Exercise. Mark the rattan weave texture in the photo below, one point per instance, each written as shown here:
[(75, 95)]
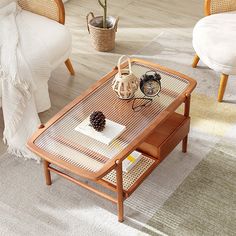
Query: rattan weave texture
[(62, 141), (47, 8), (218, 6), (133, 175)]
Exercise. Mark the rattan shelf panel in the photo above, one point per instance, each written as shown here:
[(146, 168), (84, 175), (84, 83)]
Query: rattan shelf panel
[(130, 178)]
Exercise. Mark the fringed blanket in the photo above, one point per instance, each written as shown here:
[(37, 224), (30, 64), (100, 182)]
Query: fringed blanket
[(20, 70)]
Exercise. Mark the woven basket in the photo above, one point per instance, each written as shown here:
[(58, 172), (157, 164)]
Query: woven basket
[(103, 40)]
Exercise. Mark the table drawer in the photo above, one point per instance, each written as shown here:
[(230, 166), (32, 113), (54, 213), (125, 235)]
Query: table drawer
[(165, 137)]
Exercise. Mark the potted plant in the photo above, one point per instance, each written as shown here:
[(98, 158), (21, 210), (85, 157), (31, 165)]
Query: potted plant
[(102, 29)]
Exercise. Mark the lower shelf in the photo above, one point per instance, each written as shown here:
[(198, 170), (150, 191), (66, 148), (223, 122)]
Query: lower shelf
[(155, 148), (135, 176)]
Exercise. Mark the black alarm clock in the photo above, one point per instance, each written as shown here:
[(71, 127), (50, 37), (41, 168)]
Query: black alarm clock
[(150, 83)]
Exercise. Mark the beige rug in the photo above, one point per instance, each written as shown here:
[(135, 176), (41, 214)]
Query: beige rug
[(205, 203)]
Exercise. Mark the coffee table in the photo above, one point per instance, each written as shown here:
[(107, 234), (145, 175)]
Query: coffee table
[(155, 131)]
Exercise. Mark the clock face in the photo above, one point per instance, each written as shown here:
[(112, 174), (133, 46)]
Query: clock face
[(151, 88)]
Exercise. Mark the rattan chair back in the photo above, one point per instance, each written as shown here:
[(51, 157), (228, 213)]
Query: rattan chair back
[(218, 6), (53, 9)]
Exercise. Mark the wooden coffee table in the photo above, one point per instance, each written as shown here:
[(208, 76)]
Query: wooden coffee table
[(154, 130)]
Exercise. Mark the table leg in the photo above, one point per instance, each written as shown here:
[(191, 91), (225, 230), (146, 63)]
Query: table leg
[(47, 172), (119, 183), (187, 105), (185, 144), (186, 113)]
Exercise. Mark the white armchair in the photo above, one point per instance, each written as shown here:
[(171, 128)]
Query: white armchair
[(214, 40), (46, 19), (57, 38)]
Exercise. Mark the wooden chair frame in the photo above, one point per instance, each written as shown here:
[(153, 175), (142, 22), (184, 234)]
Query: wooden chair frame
[(214, 7), (52, 9)]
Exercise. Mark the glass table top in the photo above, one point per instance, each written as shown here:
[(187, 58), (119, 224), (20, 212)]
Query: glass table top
[(63, 141)]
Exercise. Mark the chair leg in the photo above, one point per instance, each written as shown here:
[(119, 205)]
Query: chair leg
[(69, 66), (223, 83), (195, 61)]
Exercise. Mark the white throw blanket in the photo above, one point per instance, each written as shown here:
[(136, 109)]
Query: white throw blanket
[(19, 72)]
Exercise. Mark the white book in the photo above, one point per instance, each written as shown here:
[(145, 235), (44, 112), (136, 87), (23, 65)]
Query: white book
[(111, 131), (131, 161)]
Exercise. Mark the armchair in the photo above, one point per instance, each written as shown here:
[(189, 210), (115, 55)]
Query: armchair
[(214, 39), (52, 9), (45, 19)]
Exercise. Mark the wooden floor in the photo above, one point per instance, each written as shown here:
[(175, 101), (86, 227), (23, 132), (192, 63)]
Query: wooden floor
[(140, 23)]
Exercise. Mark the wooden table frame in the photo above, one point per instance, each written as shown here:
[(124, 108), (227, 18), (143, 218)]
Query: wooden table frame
[(116, 164)]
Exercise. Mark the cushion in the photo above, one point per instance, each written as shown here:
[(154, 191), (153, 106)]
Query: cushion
[(56, 37), (8, 9), (4, 3), (214, 40)]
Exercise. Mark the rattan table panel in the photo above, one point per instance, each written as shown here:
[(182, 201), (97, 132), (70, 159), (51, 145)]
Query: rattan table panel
[(130, 178), (62, 141)]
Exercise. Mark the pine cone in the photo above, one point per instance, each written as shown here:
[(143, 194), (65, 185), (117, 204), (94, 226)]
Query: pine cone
[(98, 120)]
